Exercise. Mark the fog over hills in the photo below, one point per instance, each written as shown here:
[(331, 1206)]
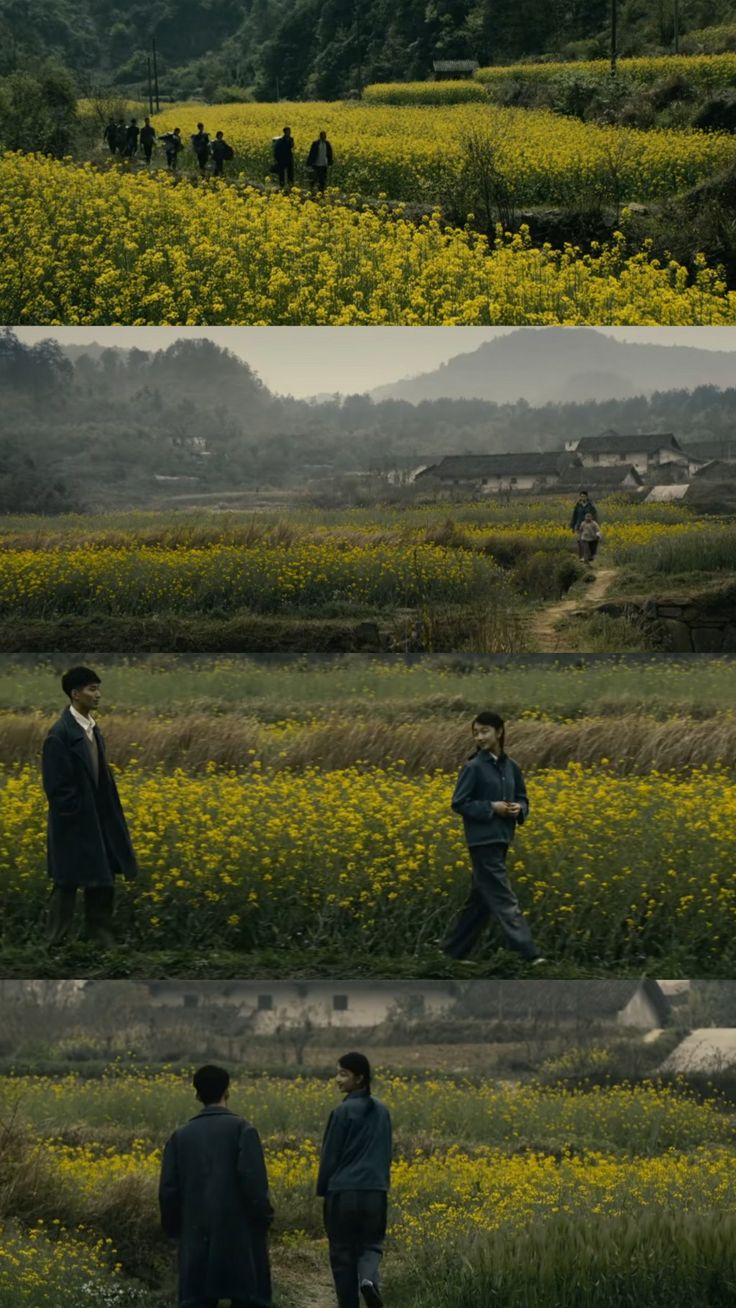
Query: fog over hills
[(560, 365)]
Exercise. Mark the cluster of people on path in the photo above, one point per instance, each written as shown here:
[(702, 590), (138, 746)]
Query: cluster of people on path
[(129, 140), (214, 1197), (584, 523), (89, 844)]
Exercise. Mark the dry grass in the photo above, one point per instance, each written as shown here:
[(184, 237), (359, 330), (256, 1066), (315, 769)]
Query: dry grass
[(630, 743)]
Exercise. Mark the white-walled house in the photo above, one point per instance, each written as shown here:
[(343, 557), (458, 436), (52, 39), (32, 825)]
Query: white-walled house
[(489, 473), (271, 1004), (644, 452)]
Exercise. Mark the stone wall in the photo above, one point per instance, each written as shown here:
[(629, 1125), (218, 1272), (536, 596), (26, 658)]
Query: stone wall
[(700, 625)]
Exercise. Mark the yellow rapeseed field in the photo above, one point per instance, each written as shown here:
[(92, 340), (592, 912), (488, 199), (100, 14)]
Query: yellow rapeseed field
[(365, 564), (143, 579), (365, 855), (85, 246), (418, 153), (663, 1159), (709, 72)]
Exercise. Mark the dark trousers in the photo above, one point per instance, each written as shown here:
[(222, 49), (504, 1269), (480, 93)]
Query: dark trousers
[(218, 170), (490, 896), (171, 158), (286, 173), (355, 1222), (320, 177), (98, 906), (148, 152)]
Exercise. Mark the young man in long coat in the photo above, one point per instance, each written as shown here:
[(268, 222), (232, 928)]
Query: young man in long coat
[(213, 1197), (88, 843)]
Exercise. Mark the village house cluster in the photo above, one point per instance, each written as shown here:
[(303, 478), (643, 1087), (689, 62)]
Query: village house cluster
[(656, 465)]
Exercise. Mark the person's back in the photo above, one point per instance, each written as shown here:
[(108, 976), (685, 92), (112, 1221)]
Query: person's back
[(357, 1146), (214, 1199)]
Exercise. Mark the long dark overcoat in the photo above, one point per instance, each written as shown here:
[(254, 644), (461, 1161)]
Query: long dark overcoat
[(88, 842), (214, 1199)]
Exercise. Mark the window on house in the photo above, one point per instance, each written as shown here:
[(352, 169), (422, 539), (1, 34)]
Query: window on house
[(340, 1003), (265, 1003)]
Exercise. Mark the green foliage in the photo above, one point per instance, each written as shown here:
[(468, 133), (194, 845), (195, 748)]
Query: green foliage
[(38, 110), (330, 48)]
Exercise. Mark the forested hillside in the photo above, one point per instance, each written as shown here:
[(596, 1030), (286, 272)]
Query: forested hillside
[(103, 427), (319, 48)]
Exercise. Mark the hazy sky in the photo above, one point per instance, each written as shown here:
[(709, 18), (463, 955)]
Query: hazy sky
[(305, 361)]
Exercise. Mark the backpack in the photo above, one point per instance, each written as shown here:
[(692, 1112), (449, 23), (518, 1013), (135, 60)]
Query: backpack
[(228, 152)]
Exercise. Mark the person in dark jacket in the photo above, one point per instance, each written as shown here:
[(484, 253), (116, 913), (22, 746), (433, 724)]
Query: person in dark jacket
[(173, 146), (491, 798), (88, 842), (213, 1199), (201, 147), (132, 134), (148, 136), (221, 152), (583, 505), (319, 159), (283, 157), (111, 136), (354, 1178)]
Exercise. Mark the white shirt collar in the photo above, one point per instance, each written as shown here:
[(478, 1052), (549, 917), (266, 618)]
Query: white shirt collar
[(87, 724)]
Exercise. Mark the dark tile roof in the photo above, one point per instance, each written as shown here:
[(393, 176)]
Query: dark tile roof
[(474, 467), (612, 442), (590, 477)]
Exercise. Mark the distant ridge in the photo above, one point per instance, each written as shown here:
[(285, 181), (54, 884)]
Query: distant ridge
[(558, 365)]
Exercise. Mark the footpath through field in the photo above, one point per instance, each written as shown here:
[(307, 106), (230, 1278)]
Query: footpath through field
[(544, 626)]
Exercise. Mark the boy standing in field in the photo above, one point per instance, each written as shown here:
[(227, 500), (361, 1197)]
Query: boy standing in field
[(490, 796), (214, 1201), (88, 841)]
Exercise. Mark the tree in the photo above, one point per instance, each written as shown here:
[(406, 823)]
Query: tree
[(38, 110)]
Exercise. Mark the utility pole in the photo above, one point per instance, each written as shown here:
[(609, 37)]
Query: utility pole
[(614, 36), (150, 84), (359, 40), (155, 74)]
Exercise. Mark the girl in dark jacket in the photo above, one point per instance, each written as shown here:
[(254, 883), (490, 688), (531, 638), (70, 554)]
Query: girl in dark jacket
[(490, 796), (354, 1175)]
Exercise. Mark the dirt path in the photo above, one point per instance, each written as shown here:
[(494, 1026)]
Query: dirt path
[(304, 1278), (543, 628)]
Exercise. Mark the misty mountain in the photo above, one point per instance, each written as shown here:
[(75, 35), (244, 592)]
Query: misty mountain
[(563, 365), (94, 427)]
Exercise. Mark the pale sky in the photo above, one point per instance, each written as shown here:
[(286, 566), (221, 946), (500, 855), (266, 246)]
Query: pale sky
[(304, 361)]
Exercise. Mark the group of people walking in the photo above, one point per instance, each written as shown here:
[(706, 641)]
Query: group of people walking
[(584, 523), (89, 844), (214, 1198), (128, 140)]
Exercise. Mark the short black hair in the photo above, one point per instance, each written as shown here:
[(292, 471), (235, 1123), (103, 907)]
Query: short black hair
[(359, 1066), (76, 677), (210, 1082)]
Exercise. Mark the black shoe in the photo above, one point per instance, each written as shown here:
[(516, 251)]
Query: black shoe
[(370, 1295)]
